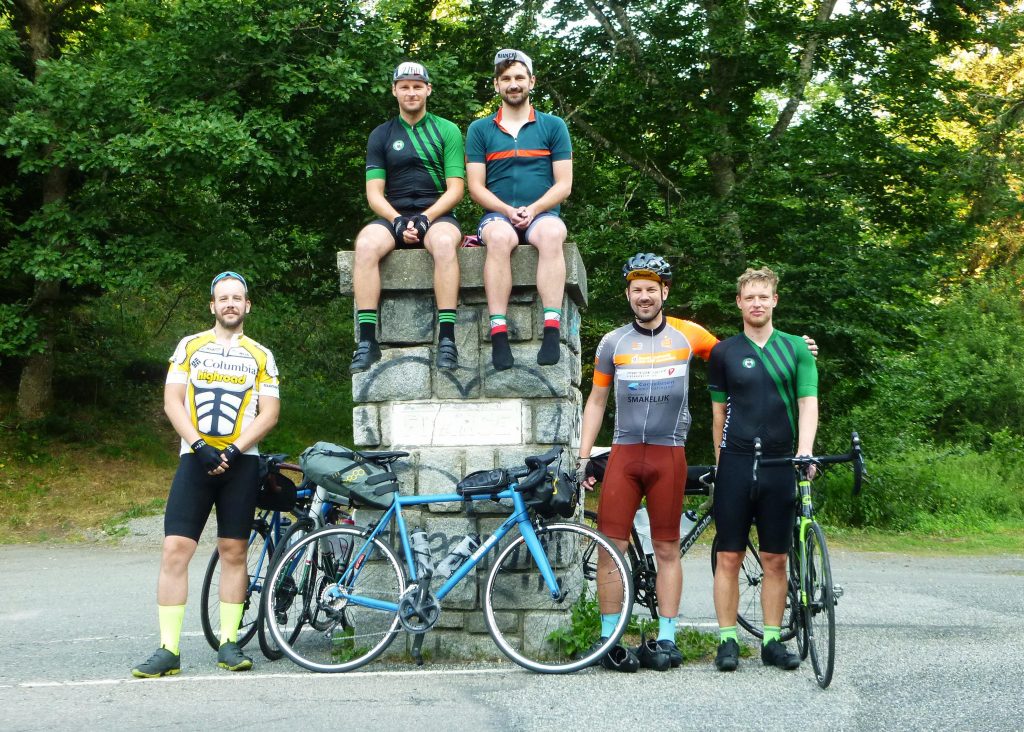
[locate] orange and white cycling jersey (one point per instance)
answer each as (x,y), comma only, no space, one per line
(223,384)
(651,372)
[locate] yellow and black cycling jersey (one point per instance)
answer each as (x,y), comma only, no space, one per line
(223,384)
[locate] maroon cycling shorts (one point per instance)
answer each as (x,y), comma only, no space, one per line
(657,472)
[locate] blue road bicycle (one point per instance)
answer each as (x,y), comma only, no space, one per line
(366,593)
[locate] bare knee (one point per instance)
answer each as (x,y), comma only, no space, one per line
(177,553)
(232,551)
(729,562)
(666,551)
(372,244)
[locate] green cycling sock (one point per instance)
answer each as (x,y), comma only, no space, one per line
(729,633)
(171,617)
(771,632)
(230,618)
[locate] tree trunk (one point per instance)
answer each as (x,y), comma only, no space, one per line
(35,388)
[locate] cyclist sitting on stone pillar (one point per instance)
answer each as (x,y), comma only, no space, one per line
(415,169)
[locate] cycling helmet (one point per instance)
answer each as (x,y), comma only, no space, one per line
(648,266)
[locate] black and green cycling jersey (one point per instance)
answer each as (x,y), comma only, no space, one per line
(761,388)
(415,161)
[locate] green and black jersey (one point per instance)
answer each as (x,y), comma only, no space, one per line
(414,161)
(760,387)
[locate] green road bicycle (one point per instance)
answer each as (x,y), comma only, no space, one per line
(813,592)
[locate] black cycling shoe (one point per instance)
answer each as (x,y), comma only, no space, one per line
(674,655)
(775,654)
(367,353)
(619,658)
(728,656)
(651,655)
(447,354)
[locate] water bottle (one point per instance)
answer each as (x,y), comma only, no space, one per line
(642,524)
(686,522)
(450,564)
(421,552)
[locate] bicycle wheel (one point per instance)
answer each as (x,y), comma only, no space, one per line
(749,613)
(334,630)
(641,568)
(545,638)
(261,548)
(820,611)
(282,603)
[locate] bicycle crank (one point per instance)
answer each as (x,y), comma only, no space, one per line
(417,614)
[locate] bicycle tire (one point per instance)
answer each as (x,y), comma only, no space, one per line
(542,638)
(375,573)
(820,610)
(258,563)
(749,614)
(299,528)
(642,569)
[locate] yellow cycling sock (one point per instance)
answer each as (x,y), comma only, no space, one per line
(230,619)
(171,618)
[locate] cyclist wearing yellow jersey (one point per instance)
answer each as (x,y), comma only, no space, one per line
(222,398)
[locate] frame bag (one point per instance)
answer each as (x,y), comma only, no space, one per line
(347,475)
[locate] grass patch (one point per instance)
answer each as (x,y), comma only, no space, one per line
(999,538)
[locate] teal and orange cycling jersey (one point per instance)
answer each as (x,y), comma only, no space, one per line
(415,161)
(761,388)
(223,384)
(519,169)
(651,372)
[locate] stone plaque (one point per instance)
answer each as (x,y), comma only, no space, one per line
(458,423)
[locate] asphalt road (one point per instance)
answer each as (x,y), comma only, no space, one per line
(923,644)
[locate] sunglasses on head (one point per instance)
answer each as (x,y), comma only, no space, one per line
(229,275)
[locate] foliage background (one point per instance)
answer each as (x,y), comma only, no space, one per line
(870,152)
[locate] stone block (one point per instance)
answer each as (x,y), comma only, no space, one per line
(407,319)
(454,423)
(527,379)
(571,325)
(365,426)
(463,382)
(458,645)
(507,622)
(437,471)
(557,421)
(413,269)
(402,374)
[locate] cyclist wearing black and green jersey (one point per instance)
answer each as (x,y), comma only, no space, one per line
(763,383)
(415,176)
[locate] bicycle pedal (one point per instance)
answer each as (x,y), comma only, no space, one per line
(837,591)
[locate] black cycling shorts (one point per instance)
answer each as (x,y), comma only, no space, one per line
(400,241)
(194,492)
(774,512)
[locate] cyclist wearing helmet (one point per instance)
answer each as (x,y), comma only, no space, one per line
(648,361)
(415,166)
(222,398)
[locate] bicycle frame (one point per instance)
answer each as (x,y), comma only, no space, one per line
(804,519)
(519,517)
